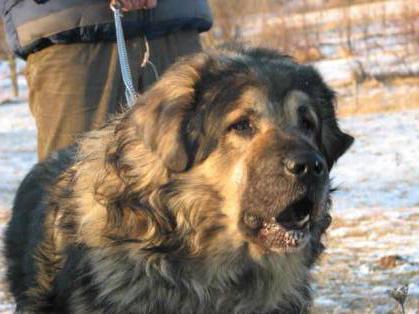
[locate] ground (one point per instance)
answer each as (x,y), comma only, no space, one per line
(372,245)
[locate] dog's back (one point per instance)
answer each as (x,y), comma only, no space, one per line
(24,232)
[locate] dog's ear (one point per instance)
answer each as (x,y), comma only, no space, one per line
(160,114)
(334,141)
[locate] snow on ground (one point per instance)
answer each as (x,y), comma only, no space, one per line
(376,210)
(342,71)
(17,149)
(5,83)
(381,169)
(376,218)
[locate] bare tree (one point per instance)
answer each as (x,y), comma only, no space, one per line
(348,26)
(6,54)
(229,21)
(409,27)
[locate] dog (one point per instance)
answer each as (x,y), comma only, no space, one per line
(210,195)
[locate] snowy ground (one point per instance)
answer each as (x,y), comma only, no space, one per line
(376,218)
(376,212)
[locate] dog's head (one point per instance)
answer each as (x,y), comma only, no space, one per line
(247,139)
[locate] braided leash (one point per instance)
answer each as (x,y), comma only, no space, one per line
(122,53)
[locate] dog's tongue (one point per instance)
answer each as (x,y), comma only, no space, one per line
(274,236)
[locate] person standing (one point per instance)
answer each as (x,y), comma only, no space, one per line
(72,68)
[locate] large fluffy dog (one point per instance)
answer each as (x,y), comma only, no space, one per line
(209,196)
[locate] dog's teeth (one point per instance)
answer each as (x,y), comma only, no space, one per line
(303,221)
(293,237)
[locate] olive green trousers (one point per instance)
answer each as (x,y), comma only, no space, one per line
(75,88)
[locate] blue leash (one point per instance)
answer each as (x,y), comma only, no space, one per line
(130,93)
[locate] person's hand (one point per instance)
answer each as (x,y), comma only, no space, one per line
(130,5)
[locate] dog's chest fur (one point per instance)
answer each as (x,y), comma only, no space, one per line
(117,284)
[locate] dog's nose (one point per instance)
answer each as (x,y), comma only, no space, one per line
(305,165)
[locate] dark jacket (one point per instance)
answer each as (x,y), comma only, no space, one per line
(32,25)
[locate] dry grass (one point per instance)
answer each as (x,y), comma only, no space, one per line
(373,96)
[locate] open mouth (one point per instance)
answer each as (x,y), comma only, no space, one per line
(286,232)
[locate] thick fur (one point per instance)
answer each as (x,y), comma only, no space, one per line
(144,215)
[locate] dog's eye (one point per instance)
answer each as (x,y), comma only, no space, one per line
(242,126)
(307,125)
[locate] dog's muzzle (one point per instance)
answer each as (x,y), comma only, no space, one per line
(280,203)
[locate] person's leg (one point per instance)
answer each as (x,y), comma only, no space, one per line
(166,50)
(75,88)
